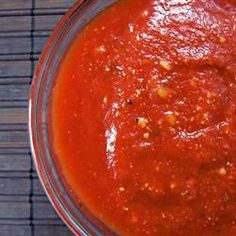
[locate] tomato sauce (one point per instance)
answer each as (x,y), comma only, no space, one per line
(144,117)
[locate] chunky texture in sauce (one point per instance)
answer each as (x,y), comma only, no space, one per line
(144,117)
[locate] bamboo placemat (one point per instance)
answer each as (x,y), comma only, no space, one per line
(25,26)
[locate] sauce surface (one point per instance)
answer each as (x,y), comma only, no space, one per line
(144,117)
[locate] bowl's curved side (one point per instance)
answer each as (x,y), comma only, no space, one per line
(32,124)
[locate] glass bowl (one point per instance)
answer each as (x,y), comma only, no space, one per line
(79,219)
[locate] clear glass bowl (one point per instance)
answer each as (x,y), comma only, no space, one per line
(80,220)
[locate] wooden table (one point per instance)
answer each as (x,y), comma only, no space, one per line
(25,26)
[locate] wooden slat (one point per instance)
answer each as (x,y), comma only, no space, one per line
(42,198)
(34,12)
(13,115)
(14,150)
(13,198)
(13,104)
(10,230)
(15,80)
(15,45)
(14,186)
(15,69)
(14,210)
(42,33)
(14,222)
(16,34)
(41,222)
(44,210)
(50,11)
(52,230)
(13,127)
(14,139)
(15,4)
(54,3)
(39,43)
(14,174)
(14,92)
(15,162)
(47,22)
(57,222)
(15,12)
(15,57)
(13,23)
(37,187)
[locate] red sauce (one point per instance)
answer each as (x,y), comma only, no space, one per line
(144,117)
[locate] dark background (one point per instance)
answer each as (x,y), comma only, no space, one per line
(25,26)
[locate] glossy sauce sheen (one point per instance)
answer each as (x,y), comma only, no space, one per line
(144,117)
